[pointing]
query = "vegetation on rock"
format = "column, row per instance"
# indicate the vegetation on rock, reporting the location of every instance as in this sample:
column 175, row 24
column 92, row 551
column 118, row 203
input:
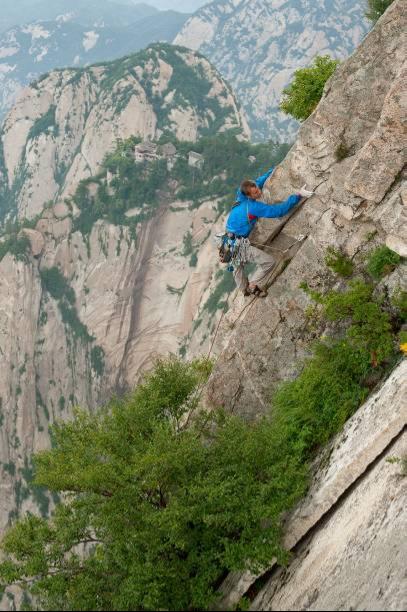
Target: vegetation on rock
column 145, row 186
column 152, row 518
column 376, row 8
column 301, row 97
column 382, row 261
column 338, row 262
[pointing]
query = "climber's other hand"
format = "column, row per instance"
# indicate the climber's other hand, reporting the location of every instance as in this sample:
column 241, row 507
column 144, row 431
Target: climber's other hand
column 305, row 193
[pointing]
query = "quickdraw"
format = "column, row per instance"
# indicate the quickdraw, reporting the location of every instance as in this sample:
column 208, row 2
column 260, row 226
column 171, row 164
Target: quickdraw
column 233, row 250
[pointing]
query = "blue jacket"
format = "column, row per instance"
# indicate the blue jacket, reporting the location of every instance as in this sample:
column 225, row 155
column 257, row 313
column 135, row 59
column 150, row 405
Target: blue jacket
column 243, row 217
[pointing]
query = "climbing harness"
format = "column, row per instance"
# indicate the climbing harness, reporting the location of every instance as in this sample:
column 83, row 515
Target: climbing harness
column 233, row 250
column 236, row 251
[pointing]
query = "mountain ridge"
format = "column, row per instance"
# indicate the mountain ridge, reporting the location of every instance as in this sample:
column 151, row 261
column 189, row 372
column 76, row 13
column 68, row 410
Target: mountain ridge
column 258, row 45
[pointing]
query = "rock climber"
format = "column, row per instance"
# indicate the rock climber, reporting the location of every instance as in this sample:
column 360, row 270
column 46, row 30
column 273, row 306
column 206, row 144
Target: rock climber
column 241, row 221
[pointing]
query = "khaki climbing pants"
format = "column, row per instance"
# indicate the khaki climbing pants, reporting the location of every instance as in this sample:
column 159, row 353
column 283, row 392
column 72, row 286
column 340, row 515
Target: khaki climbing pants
column 264, row 264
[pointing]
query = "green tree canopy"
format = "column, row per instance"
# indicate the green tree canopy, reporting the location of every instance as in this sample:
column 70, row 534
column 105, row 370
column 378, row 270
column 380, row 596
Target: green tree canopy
column 376, row 8
column 301, row 97
column 158, row 503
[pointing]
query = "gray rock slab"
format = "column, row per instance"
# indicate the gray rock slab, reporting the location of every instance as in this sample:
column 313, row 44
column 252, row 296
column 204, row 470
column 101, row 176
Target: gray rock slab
column 365, row 436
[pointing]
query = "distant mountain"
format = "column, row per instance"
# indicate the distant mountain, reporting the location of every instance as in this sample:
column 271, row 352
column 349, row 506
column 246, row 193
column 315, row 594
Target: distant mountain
column 87, row 12
column 74, row 117
column 28, row 51
column 186, row 6
column 258, row 44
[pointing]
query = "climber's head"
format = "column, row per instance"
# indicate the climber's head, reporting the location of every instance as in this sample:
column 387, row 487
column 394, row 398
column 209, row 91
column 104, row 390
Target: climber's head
column 251, row 190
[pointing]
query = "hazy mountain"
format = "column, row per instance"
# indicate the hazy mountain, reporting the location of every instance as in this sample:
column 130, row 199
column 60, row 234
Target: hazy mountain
column 258, row 44
column 28, row 51
column 186, row 6
column 86, row 12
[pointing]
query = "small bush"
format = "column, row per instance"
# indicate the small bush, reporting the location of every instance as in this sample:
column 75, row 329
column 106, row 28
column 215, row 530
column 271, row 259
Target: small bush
column 376, row 8
column 97, row 357
column 342, row 151
column 43, row 124
column 399, row 301
column 54, row 282
column 338, row 262
column 17, row 247
column 301, row 97
column 381, row 262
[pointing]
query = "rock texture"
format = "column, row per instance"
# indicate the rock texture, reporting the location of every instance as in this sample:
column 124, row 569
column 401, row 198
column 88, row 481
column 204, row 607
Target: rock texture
column 257, row 45
column 61, row 128
column 345, row 535
column 352, row 495
column 356, row 559
column 269, row 337
column 133, row 302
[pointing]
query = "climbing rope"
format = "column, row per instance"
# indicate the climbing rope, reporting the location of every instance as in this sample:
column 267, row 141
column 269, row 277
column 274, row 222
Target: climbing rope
column 245, row 253
column 299, row 238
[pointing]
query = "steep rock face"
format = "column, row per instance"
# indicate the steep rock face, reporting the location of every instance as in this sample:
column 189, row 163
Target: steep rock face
column 60, row 130
column 362, row 111
column 30, row 50
column 344, row 535
column 81, row 316
column 133, row 302
column 258, row 44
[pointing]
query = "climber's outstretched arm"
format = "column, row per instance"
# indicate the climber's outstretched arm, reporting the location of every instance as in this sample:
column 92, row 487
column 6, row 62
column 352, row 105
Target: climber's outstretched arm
column 261, row 209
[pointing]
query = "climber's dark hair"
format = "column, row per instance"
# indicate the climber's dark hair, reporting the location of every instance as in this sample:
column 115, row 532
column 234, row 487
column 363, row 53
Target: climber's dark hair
column 246, row 186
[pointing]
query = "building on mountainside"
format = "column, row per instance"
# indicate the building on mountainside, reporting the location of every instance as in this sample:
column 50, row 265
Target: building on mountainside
column 169, row 152
column 145, row 152
column 251, row 159
column 195, row 160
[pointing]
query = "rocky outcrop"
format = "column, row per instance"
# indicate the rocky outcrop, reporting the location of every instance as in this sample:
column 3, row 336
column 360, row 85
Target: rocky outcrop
column 81, row 316
column 133, row 302
column 258, row 45
column 268, row 338
column 347, row 553
column 62, row 127
column 351, row 479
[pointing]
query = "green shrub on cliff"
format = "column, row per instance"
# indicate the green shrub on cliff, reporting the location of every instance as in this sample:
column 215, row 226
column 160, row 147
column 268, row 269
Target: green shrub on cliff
column 301, row 97
column 165, row 504
column 376, row 8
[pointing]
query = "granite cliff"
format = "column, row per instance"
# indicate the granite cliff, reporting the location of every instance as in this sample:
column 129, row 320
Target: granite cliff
column 94, row 322
column 83, row 313
column 344, row 536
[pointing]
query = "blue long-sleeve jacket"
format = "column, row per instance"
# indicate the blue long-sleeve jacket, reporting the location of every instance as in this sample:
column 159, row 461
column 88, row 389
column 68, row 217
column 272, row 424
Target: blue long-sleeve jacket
column 243, row 217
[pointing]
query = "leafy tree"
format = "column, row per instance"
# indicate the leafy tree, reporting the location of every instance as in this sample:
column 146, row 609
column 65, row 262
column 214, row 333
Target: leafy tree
column 159, row 503
column 376, row 8
column 301, row 97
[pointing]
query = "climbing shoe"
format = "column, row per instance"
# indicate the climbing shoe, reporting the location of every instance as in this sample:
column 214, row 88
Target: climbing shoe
column 256, row 291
